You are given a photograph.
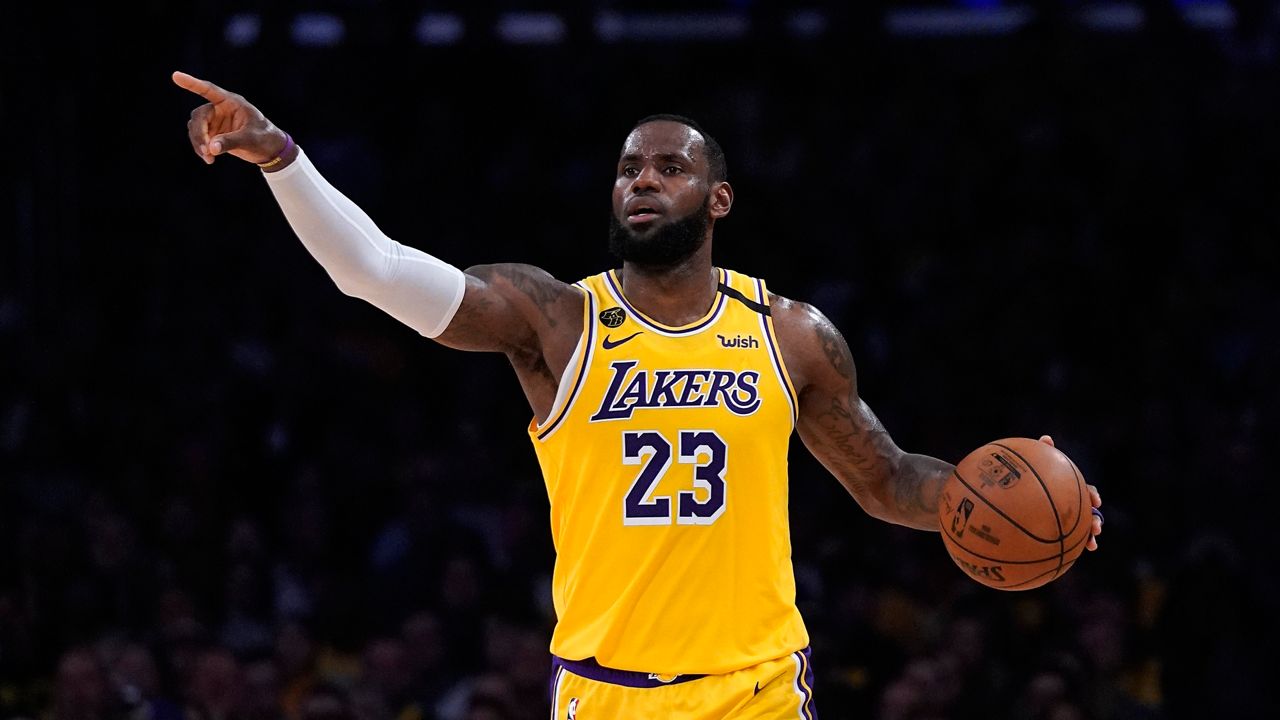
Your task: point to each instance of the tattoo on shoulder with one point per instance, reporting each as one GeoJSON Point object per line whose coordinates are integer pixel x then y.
{"type": "Point", "coordinates": [538, 285]}
{"type": "Point", "coordinates": [541, 289]}
{"type": "Point", "coordinates": [833, 345]}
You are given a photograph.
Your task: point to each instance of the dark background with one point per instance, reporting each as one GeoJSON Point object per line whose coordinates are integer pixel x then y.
{"type": "Point", "coordinates": [228, 490]}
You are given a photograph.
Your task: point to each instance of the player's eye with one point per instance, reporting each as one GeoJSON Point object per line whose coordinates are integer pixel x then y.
{"type": "Point", "coordinates": [630, 171]}
{"type": "Point", "coordinates": [673, 169]}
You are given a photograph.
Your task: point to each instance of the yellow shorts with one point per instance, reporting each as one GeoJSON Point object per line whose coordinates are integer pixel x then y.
{"type": "Point", "coordinates": [774, 689]}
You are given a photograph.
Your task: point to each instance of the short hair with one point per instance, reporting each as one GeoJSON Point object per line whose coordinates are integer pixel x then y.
{"type": "Point", "coordinates": [717, 168]}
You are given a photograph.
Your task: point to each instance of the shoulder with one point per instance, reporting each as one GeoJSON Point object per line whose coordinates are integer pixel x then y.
{"type": "Point", "coordinates": [811, 344]}
{"type": "Point", "coordinates": [801, 322]}
{"type": "Point", "coordinates": [547, 304]}
{"type": "Point", "coordinates": [794, 313]}
{"type": "Point", "coordinates": [523, 277]}
{"type": "Point", "coordinates": [528, 286]}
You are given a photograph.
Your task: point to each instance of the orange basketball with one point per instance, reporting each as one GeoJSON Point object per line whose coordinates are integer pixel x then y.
{"type": "Point", "coordinates": [1015, 514]}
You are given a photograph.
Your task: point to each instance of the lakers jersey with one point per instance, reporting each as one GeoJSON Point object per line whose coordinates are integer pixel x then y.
{"type": "Point", "coordinates": [665, 458]}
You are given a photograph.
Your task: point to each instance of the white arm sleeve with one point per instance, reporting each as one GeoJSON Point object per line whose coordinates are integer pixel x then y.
{"type": "Point", "coordinates": [408, 284]}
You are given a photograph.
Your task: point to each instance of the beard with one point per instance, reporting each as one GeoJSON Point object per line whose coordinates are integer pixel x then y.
{"type": "Point", "coordinates": [664, 246]}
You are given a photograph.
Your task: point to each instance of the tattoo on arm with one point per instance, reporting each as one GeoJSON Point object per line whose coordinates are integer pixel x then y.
{"type": "Point", "coordinates": [917, 487]}
{"type": "Point", "coordinates": [504, 306]}
{"type": "Point", "coordinates": [836, 350]}
{"type": "Point", "coordinates": [468, 323]}
{"type": "Point", "coordinates": [847, 425]}
{"type": "Point", "coordinates": [851, 441]}
{"type": "Point", "coordinates": [542, 290]}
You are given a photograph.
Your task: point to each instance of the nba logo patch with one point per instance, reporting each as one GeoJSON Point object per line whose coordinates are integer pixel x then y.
{"type": "Point", "coordinates": [573, 709]}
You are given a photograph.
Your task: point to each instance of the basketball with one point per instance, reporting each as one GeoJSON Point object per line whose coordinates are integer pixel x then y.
{"type": "Point", "coordinates": [1015, 514]}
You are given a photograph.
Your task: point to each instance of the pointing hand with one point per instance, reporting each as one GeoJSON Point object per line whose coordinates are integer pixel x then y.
{"type": "Point", "coordinates": [228, 124]}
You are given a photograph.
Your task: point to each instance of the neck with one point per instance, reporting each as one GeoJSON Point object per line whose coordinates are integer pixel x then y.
{"type": "Point", "coordinates": [675, 295]}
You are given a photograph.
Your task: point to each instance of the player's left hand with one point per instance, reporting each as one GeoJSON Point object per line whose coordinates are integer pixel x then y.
{"type": "Point", "coordinates": [1095, 500]}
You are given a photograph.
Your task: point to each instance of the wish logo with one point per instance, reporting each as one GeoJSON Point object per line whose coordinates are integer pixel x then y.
{"type": "Point", "coordinates": [741, 341]}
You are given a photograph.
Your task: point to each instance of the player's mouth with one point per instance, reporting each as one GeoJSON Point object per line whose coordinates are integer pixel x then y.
{"type": "Point", "coordinates": [641, 213]}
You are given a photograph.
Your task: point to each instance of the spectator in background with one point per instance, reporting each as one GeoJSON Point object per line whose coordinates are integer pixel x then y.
{"type": "Point", "coordinates": [81, 690]}
{"type": "Point", "coordinates": [386, 674]}
{"type": "Point", "coordinates": [325, 701]}
{"type": "Point", "coordinates": [485, 696]}
{"type": "Point", "coordinates": [926, 690]}
{"type": "Point", "coordinates": [296, 659]}
{"type": "Point", "coordinates": [246, 629]}
{"type": "Point", "coordinates": [422, 557]}
{"type": "Point", "coordinates": [136, 677]}
{"type": "Point", "coordinates": [262, 689]}
{"type": "Point", "coordinates": [426, 657]}
{"type": "Point", "coordinates": [1056, 688]}
{"type": "Point", "coordinates": [216, 688]}
{"type": "Point", "coordinates": [1213, 634]}
{"type": "Point", "coordinates": [182, 643]}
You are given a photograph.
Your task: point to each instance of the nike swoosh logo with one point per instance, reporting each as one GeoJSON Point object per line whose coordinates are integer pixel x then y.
{"type": "Point", "coordinates": [757, 692]}
{"type": "Point", "coordinates": [611, 344]}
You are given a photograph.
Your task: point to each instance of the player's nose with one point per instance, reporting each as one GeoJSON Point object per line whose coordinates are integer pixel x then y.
{"type": "Point", "coordinates": [649, 180]}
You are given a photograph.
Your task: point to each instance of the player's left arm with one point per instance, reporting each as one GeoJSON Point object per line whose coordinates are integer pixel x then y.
{"type": "Point", "coordinates": [843, 433]}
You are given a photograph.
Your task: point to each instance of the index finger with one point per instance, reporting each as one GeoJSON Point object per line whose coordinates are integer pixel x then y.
{"type": "Point", "coordinates": [203, 88]}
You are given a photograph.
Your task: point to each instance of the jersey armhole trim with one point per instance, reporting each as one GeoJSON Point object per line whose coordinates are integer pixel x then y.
{"type": "Point", "coordinates": [575, 373]}
{"type": "Point", "coordinates": [775, 353]}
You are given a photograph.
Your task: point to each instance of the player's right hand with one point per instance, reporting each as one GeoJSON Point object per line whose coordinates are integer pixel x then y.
{"type": "Point", "coordinates": [1095, 501]}
{"type": "Point", "coordinates": [228, 124]}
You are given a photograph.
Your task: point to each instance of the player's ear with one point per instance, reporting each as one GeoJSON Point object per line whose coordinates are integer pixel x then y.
{"type": "Point", "coordinates": [721, 199]}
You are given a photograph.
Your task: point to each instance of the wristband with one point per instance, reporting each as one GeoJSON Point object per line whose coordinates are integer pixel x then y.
{"type": "Point", "coordinates": [288, 145]}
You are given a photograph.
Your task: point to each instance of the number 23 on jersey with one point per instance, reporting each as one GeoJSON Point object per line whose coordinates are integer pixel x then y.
{"type": "Point", "coordinates": [652, 451]}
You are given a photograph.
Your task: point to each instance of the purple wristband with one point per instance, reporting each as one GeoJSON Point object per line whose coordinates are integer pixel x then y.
{"type": "Point", "coordinates": [288, 145]}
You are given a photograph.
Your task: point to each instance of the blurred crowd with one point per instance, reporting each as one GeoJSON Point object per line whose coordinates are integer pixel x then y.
{"type": "Point", "coordinates": [228, 491]}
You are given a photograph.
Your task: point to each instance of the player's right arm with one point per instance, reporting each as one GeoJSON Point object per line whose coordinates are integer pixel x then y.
{"type": "Point", "coordinates": [510, 308]}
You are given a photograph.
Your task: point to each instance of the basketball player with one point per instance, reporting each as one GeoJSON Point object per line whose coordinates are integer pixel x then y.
{"type": "Point", "coordinates": [664, 394]}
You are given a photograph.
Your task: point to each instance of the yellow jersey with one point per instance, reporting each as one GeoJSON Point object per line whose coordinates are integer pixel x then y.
{"type": "Point", "coordinates": [665, 459]}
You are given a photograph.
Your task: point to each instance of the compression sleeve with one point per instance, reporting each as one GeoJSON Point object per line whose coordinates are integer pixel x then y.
{"type": "Point", "coordinates": [406, 283]}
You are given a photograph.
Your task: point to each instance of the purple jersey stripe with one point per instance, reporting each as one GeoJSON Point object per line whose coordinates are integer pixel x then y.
{"type": "Point", "coordinates": [775, 355]}
{"type": "Point", "coordinates": [804, 684]}
{"type": "Point", "coordinates": [555, 680]}
{"type": "Point", "coordinates": [592, 670]}
{"type": "Point", "coordinates": [556, 674]}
